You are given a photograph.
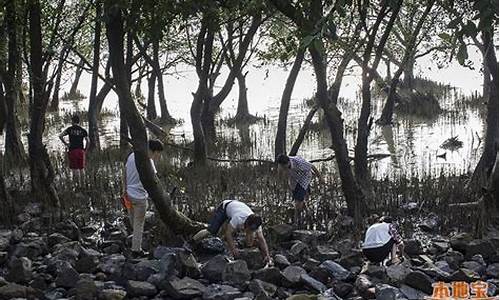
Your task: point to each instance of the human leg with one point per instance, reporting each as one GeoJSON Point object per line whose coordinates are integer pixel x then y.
{"type": "Point", "coordinates": [214, 225]}
{"type": "Point", "coordinates": [139, 209]}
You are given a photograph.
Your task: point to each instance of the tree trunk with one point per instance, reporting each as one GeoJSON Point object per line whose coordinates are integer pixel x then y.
{"type": "Point", "coordinates": [280, 141]}
{"type": "Point", "coordinates": [7, 215]}
{"type": "Point", "coordinates": [200, 150]}
{"type": "Point", "coordinates": [208, 121]}
{"type": "Point", "coordinates": [487, 160]}
{"type": "Point", "coordinates": [242, 113]}
{"type": "Point", "coordinates": [95, 143]}
{"type": "Point", "coordinates": [101, 96]}
{"type": "Point", "coordinates": [302, 132]}
{"type": "Point", "coordinates": [352, 193]}
{"type": "Point", "coordinates": [486, 78]}
{"type": "Point", "coordinates": [42, 173]}
{"type": "Point", "coordinates": [175, 220]}
{"type": "Point", "coordinates": [14, 150]}
{"type": "Point", "coordinates": [151, 107]}
{"type": "Point", "coordinates": [165, 115]}
{"type": "Point", "coordinates": [78, 73]}
{"type": "Point", "coordinates": [54, 103]}
{"type": "Point", "coordinates": [124, 128]}
{"type": "Point", "coordinates": [409, 78]}
{"type": "Point", "coordinates": [3, 68]}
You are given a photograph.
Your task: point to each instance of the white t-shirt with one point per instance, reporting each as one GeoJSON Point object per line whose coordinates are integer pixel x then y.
{"type": "Point", "coordinates": [134, 185]}
{"type": "Point", "coordinates": [377, 235]}
{"type": "Point", "coordinates": [237, 212]}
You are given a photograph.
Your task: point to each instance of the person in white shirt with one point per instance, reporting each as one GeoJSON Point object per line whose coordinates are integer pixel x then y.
{"type": "Point", "coordinates": [239, 217]}
{"type": "Point", "coordinates": [137, 196]}
{"type": "Point", "coordinates": [382, 239]}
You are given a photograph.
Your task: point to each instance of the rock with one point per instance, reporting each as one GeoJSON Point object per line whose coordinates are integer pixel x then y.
{"type": "Point", "coordinates": [112, 294]}
{"type": "Point", "coordinates": [463, 274]}
{"type": "Point", "coordinates": [483, 247]}
{"type": "Point", "coordinates": [492, 270]}
{"type": "Point", "coordinates": [374, 271]}
{"type": "Point", "coordinates": [281, 261]}
{"type": "Point", "coordinates": [326, 253]}
{"type": "Point", "coordinates": [189, 265]}
{"type": "Point", "coordinates": [430, 223]}
{"type": "Point", "coordinates": [342, 289]}
{"type": "Point", "coordinates": [441, 246]}
{"type": "Point", "coordinates": [413, 247]}
{"type": "Point", "coordinates": [88, 261]}
{"type": "Point", "coordinates": [443, 266]}
{"type": "Point", "coordinates": [412, 293]}
{"type": "Point", "coordinates": [69, 229]}
{"type": "Point", "coordinates": [302, 297]}
{"type": "Point", "coordinates": [459, 242]}
{"type": "Point", "coordinates": [40, 281]}
{"type": "Point", "coordinates": [56, 294]}
{"type": "Point", "coordinates": [453, 258]}
{"type": "Point", "coordinates": [312, 283]}
{"type": "Point", "coordinates": [292, 275]}
{"type": "Point", "coordinates": [141, 270]}
{"type": "Point", "coordinates": [85, 290]}
{"type": "Point", "coordinates": [31, 249]}
{"type": "Point", "coordinates": [3, 257]}
{"type": "Point", "coordinates": [213, 269]}
{"type": "Point", "coordinates": [112, 264]}
{"type": "Point", "coordinates": [434, 272]}
{"type": "Point", "coordinates": [5, 236]}
{"type": "Point", "coordinates": [388, 292]}
{"type": "Point", "coordinates": [420, 281]}
{"type": "Point", "coordinates": [160, 251]}
{"type": "Point", "coordinates": [253, 258]}
{"type": "Point", "coordinates": [140, 288]}
{"type": "Point", "coordinates": [212, 245]}
{"type": "Point", "coordinates": [310, 264]}
{"type": "Point", "coordinates": [298, 249]}
{"type": "Point", "coordinates": [262, 289]}
{"type": "Point", "coordinates": [236, 272]}
{"type": "Point", "coordinates": [20, 270]}
{"type": "Point", "coordinates": [474, 266]}
{"type": "Point", "coordinates": [492, 287]}
{"type": "Point", "coordinates": [479, 259]}
{"type": "Point", "coordinates": [221, 292]}
{"type": "Point", "coordinates": [397, 273]}
{"type": "Point", "coordinates": [57, 238]}
{"type": "Point", "coordinates": [353, 258]}
{"type": "Point", "coordinates": [310, 237]}
{"type": "Point", "coordinates": [281, 233]}
{"type": "Point", "coordinates": [364, 286]}
{"type": "Point", "coordinates": [336, 271]}
{"type": "Point", "coordinates": [67, 277]}
{"type": "Point", "coordinates": [185, 288]}
{"type": "Point", "coordinates": [272, 275]}
{"type": "Point", "coordinates": [168, 265]}
{"type": "Point", "coordinates": [13, 290]}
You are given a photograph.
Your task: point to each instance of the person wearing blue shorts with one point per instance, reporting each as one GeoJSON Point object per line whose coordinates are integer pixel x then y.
{"type": "Point", "coordinates": [239, 217]}
{"type": "Point", "coordinates": [299, 173]}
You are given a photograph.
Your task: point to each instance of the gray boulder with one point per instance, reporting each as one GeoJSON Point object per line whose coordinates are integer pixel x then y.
{"type": "Point", "coordinates": [464, 274]}
{"type": "Point", "coordinates": [326, 253]}
{"type": "Point", "coordinates": [85, 289]}
{"type": "Point", "coordinates": [388, 292]}
{"type": "Point", "coordinates": [272, 275]}
{"type": "Point", "coordinates": [312, 283]}
{"type": "Point", "coordinates": [20, 270]}
{"type": "Point", "coordinates": [492, 270]}
{"type": "Point", "coordinates": [67, 276]}
{"type": "Point", "coordinates": [140, 288]}
{"type": "Point", "coordinates": [281, 261]}
{"type": "Point", "coordinates": [397, 273]}
{"type": "Point", "coordinates": [253, 258]}
{"type": "Point", "coordinates": [112, 294]}
{"type": "Point", "coordinates": [221, 292]}
{"type": "Point", "coordinates": [185, 288]}
{"type": "Point", "coordinates": [420, 281]}
{"type": "Point", "coordinates": [336, 271]}
{"type": "Point", "coordinates": [292, 276]}
{"type": "Point", "coordinates": [14, 290]}
{"type": "Point", "coordinates": [213, 269]}
{"type": "Point", "coordinates": [236, 272]}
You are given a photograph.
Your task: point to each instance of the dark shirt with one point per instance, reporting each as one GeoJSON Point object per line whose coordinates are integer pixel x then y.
{"type": "Point", "coordinates": [76, 136]}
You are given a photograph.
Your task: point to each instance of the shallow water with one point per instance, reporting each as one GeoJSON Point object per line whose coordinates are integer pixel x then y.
{"type": "Point", "coordinates": [413, 144]}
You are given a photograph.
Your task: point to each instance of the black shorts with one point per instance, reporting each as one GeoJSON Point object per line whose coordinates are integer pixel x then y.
{"type": "Point", "coordinates": [376, 255]}
{"type": "Point", "coordinates": [299, 193]}
{"type": "Point", "coordinates": [218, 218]}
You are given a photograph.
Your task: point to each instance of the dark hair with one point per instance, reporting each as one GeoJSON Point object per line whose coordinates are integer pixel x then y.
{"type": "Point", "coordinates": [386, 219]}
{"type": "Point", "coordinates": [282, 159]}
{"type": "Point", "coordinates": [75, 119]}
{"type": "Point", "coordinates": [155, 145]}
{"type": "Point", "coordinates": [253, 222]}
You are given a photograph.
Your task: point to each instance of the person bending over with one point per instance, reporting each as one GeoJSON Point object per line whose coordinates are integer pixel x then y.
{"type": "Point", "coordinates": [239, 217]}
{"type": "Point", "coordinates": [299, 173]}
{"type": "Point", "coordinates": [382, 239]}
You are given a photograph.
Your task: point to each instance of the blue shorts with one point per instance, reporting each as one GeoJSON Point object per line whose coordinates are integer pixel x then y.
{"type": "Point", "coordinates": [299, 193]}
{"type": "Point", "coordinates": [217, 219]}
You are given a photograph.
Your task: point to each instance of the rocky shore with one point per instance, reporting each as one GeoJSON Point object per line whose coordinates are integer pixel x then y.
{"type": "Point", "coordinates": [70, 261]}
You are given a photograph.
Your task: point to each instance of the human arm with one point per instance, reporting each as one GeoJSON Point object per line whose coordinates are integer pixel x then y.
{"type": "Point", "coordinates": [263, 246]}
{"type": "Point", "coordinates": [230, 240]}
{"type": "Point", "coordinates": [61, 137]}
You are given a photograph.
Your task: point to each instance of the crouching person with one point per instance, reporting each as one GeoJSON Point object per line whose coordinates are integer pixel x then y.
{"type": "Point", "coordinates": [239, 217]}
{"type": "Point", "coordinates": [382, 239]}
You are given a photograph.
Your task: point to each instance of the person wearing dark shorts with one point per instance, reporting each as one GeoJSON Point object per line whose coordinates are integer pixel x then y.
{"type": "Point", "coordinates": [76, 147]}
{"type": "Point", "coordinates": [238, 217]}
{"type": "Point", "coordinates": [299, 173]}
{"type": "Point", "coordinates": [382, 239]}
